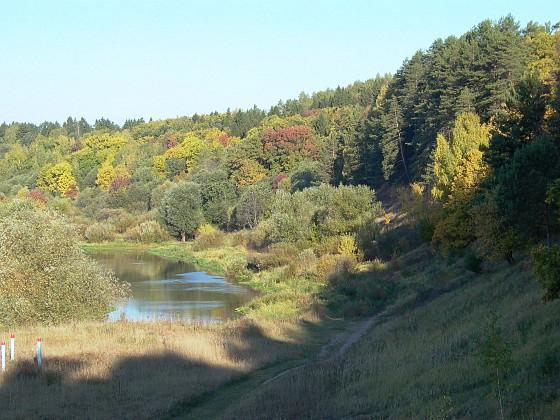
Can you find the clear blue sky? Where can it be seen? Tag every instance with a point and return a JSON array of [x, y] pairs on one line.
[[127, 59]]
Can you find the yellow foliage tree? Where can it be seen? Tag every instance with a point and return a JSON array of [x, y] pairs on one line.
[[57, 178], [106, 174], [458, 168], [248, 172], [189, 150], [463, 148]]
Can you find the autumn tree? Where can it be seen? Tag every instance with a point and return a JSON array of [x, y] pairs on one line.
[[457, 169], [57, 178], [285, 147]]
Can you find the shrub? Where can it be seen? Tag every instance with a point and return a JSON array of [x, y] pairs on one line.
[[546, 265], [326, 266], [473, 262], [306, 263], [147, 232], [236, 269], [100, 232], [328, 245], [45, 276], [397, 241], [119, 218], [425, 230], [347, 246], [279, 255], [205, 228], [366, 237], [212, 239]]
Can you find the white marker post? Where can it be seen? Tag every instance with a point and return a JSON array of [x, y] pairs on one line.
[[3, 355], [39, 352], [12, 347]]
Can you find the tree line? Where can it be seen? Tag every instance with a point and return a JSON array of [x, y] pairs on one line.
[[467, 131]]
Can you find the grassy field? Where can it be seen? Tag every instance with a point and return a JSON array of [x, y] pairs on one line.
[[142, 370]]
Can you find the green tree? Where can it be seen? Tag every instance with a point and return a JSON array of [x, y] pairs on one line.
[[253, 205], [218, 194], [45, 276], [546, 266], [308, 174], [181, 209], [495, 355], [392, 145]]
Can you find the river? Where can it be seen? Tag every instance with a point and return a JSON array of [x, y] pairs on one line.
[[163, 289]]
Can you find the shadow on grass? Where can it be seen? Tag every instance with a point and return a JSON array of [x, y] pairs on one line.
[[151, 383]]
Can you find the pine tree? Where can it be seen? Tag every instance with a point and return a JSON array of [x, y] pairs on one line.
[[391, 141]]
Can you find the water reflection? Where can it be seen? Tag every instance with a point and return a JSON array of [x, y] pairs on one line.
[[164, 289]]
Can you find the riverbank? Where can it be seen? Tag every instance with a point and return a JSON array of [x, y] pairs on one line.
[[211, 262], [282, 292]]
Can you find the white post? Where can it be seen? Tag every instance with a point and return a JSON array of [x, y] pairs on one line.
[[12, 347], [39, 351], [3, 355]]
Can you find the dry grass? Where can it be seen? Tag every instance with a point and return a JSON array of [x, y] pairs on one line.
[[135, 370]]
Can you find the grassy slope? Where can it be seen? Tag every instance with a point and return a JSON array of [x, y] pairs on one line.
[[424, 361]]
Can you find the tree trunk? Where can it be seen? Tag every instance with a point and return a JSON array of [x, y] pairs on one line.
[[509, 258], [183, 237]]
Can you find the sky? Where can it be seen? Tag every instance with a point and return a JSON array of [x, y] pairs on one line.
[[145, 58]]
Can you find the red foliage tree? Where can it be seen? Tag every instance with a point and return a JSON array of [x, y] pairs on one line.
[[277, 179], [72, 192], [37, 196], [120, 181], [170, 140], [280, 144]]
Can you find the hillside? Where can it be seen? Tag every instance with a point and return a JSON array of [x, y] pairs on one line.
[[430, 359]]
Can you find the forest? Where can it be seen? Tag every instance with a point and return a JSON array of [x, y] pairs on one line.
[[313, 202]]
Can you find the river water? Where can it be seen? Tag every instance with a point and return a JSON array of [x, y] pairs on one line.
[[169, 290]]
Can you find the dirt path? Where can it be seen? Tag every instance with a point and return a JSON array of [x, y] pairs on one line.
[[212, 404], [336, 347]]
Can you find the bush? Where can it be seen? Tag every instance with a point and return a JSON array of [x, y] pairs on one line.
[[236, 269], [546, 265], [306, 264], [397, 241], [214, 239], [366, 237], [326, 266], [347, 247], [45, 276], [425, 230], [119, 218], [473, 262], [205, 229], [328, 245], [147, 232], [100, 232]]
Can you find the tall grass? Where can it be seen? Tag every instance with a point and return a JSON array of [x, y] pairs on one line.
[[426, 362], [136, 370]]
